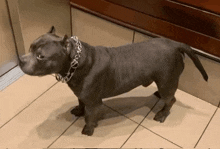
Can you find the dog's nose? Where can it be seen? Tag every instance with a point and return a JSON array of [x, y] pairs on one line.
[[21, 61]]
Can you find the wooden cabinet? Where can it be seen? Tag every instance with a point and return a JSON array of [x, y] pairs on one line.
[[194, 23]]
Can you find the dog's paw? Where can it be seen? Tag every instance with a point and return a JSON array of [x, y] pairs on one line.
[[88, 130], [161, 116], [77, 111]]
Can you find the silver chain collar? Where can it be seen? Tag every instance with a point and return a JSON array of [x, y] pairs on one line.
[[74, 64]]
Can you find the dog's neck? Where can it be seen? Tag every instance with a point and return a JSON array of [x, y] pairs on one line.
[[74, 49], [84, 62]]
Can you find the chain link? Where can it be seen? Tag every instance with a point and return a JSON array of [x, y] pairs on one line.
[[74, 64], [79, 47]]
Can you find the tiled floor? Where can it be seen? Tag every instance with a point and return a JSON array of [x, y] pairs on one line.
[[35, 113]]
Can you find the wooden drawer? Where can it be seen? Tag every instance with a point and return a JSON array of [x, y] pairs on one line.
[[176, 20]]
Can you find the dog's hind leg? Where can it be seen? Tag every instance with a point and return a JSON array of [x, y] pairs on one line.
[[79, 110], [166, 92], [162, 114], [167, 82]]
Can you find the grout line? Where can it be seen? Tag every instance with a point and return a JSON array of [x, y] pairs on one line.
[[27, 106], [63, 132], [130, 136], [139, 124], [120, 114], [161, 136], [206, 127]]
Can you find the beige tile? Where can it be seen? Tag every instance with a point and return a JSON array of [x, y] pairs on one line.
[[21, 93], [135, 104], [41, 123], [111, 132], [191, 81], [210, 139], [143, 138], [189, 117], [139, 37], [97, 31]]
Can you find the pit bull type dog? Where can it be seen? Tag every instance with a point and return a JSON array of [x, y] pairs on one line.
[[97, 72]]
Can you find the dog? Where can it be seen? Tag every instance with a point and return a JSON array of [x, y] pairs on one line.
[[97, 72]]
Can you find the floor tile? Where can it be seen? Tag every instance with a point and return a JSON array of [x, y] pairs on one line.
[[210, 139], [135, 104], [143, 138], [111, 132], [97, 31], [21, 93], [184, 126], [42, 122]]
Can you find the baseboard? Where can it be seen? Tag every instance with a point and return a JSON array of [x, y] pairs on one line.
[[10, 77]]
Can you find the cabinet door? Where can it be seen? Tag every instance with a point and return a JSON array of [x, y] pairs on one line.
[[196, 24], [208, 5]]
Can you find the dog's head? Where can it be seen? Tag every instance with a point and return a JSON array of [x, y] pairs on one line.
[[47, 55]]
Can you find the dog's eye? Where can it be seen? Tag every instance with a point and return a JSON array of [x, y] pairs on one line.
[[40, 57]]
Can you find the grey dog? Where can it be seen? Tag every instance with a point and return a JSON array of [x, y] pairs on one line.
[[97, 72]]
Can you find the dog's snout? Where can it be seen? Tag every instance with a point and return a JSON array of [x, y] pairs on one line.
[[21, 60]]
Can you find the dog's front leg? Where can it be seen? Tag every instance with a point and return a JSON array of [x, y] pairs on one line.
[[93, 113], [79, 110]]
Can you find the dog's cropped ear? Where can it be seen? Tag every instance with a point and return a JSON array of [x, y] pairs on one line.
[[64, 40], [52, 30], [68, 46]]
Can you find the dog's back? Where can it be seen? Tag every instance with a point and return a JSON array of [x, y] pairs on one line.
[[126, 67]]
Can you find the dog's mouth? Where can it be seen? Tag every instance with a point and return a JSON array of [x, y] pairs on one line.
[[32, 72]]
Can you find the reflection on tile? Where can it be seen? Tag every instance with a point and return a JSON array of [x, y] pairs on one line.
[[135, 104], [210, 139], [186, 122], [143, 138], [21, 93], [97, 31], [111, 132], [41, 123], [139, 37], [192, 81]]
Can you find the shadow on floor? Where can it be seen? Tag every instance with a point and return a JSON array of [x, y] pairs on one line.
[[126, 105]]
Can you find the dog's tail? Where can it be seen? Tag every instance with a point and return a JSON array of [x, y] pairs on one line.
[[188, 50]]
